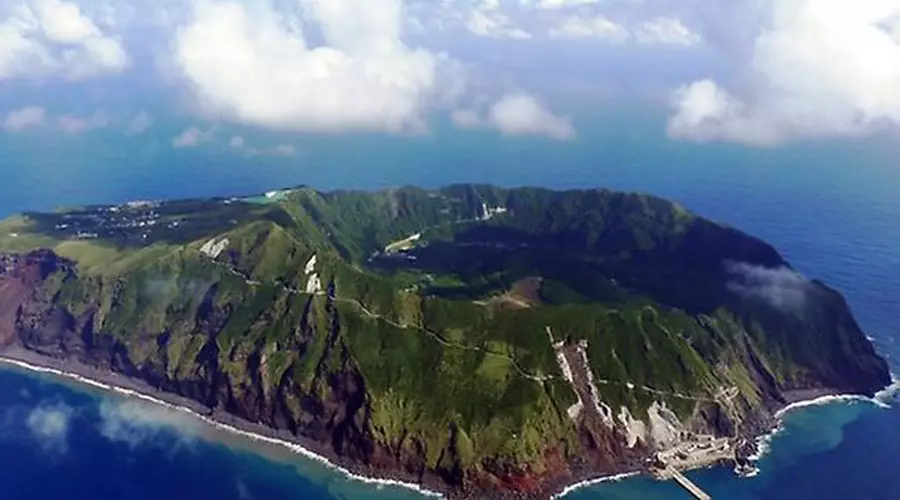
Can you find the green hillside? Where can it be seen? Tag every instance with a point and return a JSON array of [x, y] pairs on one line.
[[411, 329]]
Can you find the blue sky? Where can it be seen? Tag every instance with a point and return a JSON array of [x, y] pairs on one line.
[[227, 72]]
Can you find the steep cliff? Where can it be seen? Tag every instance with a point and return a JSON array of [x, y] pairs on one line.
[[484, 339]]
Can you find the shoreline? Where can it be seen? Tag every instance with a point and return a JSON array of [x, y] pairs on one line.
[[593, 482], [825, 400], [230, 427], [122, 385], [764, 441]]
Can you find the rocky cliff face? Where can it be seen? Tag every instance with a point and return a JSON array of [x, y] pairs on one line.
[[498, 353], [333, 408]]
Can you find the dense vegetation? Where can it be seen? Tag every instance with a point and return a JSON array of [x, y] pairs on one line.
[[443, 338]]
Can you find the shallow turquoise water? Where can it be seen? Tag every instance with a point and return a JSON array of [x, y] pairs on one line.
[[832, 209]]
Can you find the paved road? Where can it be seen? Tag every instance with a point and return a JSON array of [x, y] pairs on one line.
[[728, 394]]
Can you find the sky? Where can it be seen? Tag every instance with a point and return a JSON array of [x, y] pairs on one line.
[[756, 72]]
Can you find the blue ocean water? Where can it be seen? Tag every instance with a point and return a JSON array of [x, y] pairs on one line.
[[832, 208]]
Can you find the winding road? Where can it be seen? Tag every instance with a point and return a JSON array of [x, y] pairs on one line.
[[723, 398]]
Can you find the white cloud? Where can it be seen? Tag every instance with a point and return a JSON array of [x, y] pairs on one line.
[[522, 114], [284, 150], [484, 22], [72, 124], [815, 68], [666, 31], [63, 22], [36, 116], [139, 124], [25, 118], [707, 112], [466, 118], [193, 136], [251, 65], [591, 27], [782, 287], [49, 424], [54, 37], [557, 4], [517, 114], [658, 31], [135, 422]]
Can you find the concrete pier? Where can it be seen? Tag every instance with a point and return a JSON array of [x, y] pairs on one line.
[[687, 484]]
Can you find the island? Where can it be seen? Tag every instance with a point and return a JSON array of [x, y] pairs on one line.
[[479, 341]]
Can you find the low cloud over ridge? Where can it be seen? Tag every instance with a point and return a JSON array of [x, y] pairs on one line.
[[780, 287]]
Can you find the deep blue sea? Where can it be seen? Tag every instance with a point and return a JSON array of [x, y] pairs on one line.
[[833, 208]]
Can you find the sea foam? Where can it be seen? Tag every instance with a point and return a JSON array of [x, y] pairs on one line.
[[592, 482], [883, 399], [296, 448]]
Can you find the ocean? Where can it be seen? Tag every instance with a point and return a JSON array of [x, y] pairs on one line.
[[832, 208]]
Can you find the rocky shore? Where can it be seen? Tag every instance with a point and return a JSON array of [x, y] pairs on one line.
[[427, 484], [747, 450], [443, 394], [129, 387]]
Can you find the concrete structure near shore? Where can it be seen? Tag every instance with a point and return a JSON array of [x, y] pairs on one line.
[[665, 472], [687, 484]]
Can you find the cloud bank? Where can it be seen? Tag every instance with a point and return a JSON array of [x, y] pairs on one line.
[[40, 38], [814, 68], [32, 117], [25, 118], [247, 64], [773, 70], [782, 288]]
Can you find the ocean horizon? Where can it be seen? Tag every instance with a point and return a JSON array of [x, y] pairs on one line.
[[830, 209]]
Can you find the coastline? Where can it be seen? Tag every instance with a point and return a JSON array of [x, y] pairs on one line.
[[128, 387], [593, 482], [763, 441], [174, 402], [803, 399]]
